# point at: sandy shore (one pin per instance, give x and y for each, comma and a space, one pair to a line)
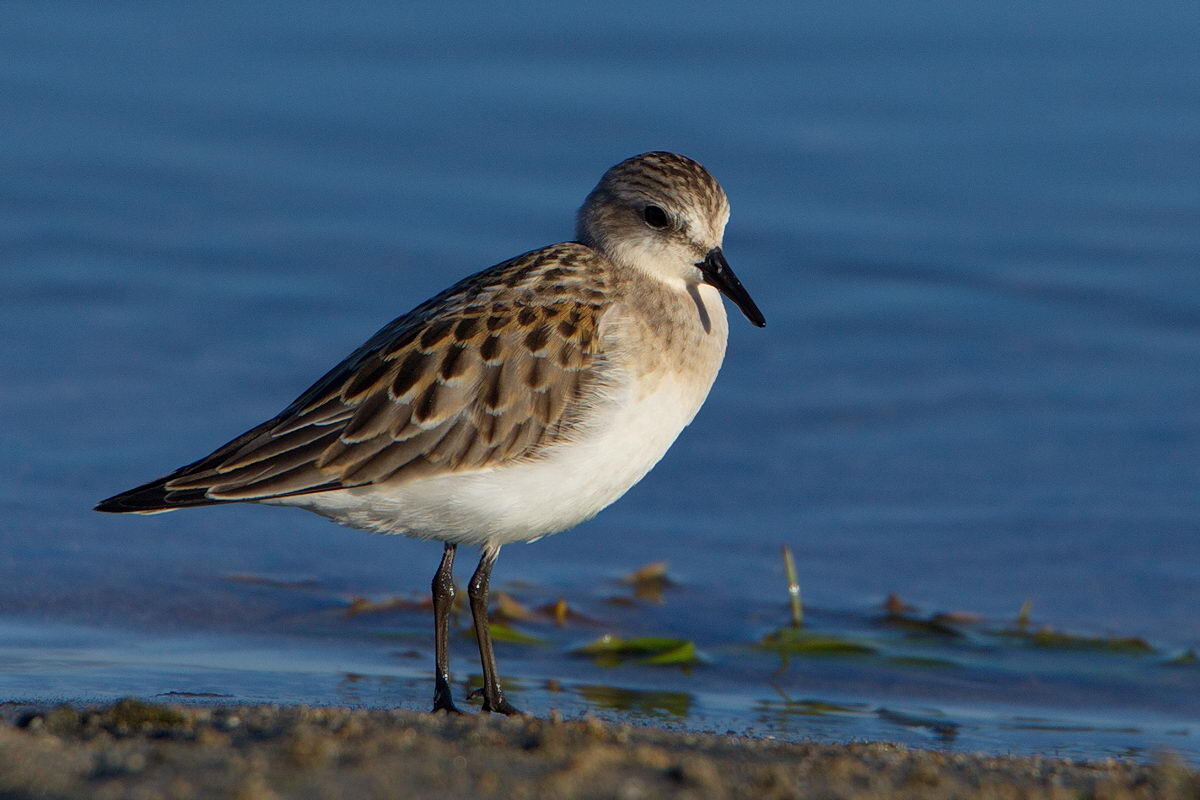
132, 749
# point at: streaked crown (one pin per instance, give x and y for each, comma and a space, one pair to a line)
659, 212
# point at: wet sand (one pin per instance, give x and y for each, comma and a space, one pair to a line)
134, 749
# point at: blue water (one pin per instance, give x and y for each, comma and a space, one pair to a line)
974, 230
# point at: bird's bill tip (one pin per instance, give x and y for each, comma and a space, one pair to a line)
718, 273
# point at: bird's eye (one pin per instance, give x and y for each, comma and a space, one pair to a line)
655, 217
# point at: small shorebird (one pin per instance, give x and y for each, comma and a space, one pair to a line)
515, 404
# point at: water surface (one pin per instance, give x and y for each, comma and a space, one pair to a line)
974, 231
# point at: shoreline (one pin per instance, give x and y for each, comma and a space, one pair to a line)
265, 752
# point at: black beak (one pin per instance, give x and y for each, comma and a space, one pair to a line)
717, 273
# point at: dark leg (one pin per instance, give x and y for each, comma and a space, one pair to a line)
443, 599
493, 697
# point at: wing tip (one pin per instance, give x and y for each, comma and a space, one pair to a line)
107, 507
152, 498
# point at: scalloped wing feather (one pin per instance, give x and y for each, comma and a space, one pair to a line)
495, 369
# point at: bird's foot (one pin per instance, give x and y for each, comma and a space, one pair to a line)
442, 701
502, 706
497, 704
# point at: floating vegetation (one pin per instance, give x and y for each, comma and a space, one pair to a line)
894, 605
923, 662
611, 650
902, 616
649, 582
917, 626
685, 653
901, 638
361, 605
793, 641
1025, 615
654, 571
949, 626
561, 613
510, 609
1049, 638
1185, 659
509, 635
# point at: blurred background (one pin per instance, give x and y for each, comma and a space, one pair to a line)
974, 229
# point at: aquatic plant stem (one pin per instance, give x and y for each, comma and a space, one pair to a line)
789, 566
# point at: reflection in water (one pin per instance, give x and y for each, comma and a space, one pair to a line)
945, 730
805, 716
648, 703
274, 582
350, 687
1062, 727
809, 708
354, 688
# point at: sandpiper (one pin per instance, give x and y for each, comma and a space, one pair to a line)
515, 404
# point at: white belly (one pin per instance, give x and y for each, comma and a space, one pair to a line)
525, 501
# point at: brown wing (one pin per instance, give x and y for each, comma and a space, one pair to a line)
493, 370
